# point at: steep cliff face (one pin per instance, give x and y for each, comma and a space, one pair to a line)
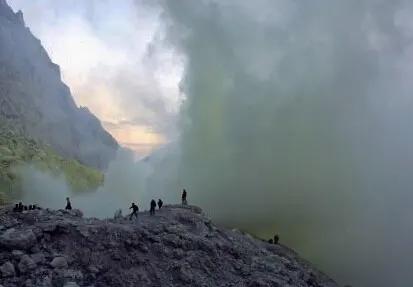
177, 246
35, 101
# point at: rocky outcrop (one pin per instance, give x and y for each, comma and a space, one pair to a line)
36, 102
176, 247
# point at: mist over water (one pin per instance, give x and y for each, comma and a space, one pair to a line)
297, 121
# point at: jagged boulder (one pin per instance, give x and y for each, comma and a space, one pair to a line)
59, 262
26, 264
7, 270
14, 238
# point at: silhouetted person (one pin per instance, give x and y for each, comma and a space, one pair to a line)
184, 202
20, 206
16, 208
135, 210
270, 241
276, 239
160, 203
153, 206
118, 214
68, 204
30, 207
25, 207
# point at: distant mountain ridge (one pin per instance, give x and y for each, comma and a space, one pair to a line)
35, 101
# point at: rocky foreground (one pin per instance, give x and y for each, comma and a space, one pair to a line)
176, 247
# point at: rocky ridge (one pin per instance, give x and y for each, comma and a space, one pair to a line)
178, 246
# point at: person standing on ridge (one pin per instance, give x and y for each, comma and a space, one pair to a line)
160, 203
184, 202
68, 204
153, 206
135, 210
276, 238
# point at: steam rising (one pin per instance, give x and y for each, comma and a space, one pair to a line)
297, 121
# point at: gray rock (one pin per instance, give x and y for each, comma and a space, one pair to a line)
17, 254
93, 269
26, 264
22, 239
71, 284
38, 258
28, 283
59, 262
75, 212
7, 270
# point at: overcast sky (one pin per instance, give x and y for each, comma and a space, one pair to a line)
112, 56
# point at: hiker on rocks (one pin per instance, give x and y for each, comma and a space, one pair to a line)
30, 207
68, 204
184, 202
20, 207
16, 208
276, 239
160, 203
153, 206
135, 210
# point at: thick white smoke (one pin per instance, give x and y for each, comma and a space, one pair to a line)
126, 180
297, 121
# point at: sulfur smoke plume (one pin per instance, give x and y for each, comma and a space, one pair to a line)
298, 121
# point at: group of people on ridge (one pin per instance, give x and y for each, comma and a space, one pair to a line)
19, 207
135, 208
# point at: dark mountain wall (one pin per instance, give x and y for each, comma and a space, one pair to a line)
35, 101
